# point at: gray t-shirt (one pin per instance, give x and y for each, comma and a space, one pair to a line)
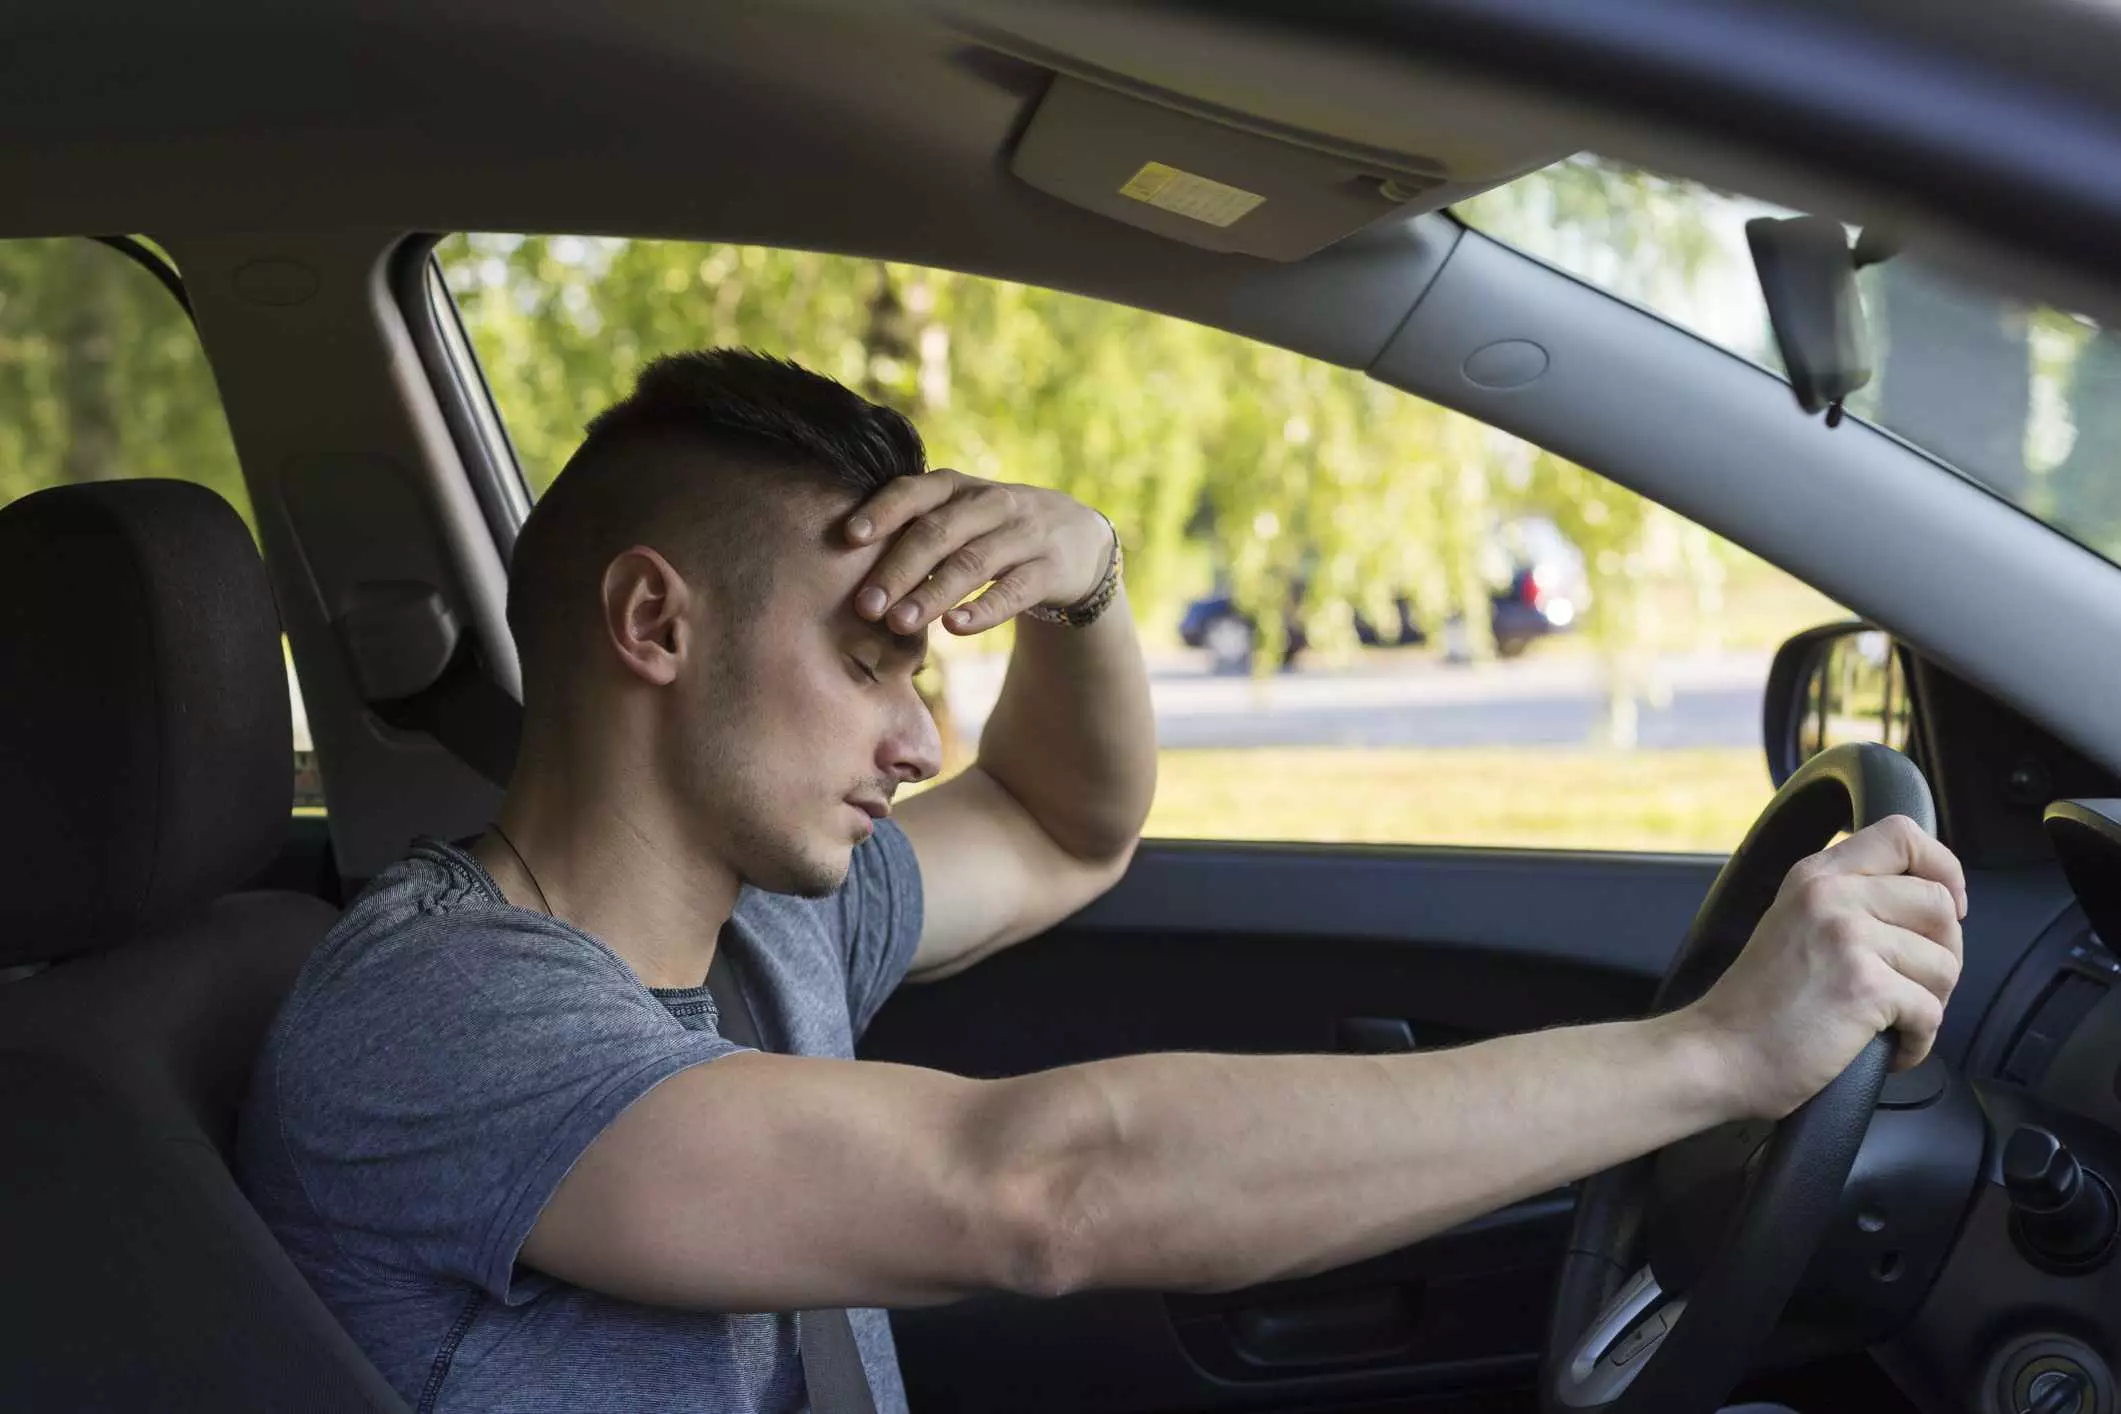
444, 1059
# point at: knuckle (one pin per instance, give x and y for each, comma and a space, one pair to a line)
1843, 935
1810, 867
930, 530
1817, 892
971, 562
1818, 865
1013, 590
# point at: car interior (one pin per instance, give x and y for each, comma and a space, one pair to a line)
294, 170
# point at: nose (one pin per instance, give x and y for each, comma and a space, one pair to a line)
912, 750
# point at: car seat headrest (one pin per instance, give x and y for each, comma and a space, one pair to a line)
144, 736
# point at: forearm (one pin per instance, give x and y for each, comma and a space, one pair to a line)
1198, 1172
1073, 737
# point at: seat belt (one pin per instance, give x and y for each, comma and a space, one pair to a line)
832, 1362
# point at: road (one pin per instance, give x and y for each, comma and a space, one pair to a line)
1411, 699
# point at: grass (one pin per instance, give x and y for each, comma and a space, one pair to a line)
1533, 797
1516, 797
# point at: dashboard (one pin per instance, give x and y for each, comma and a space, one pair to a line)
2024, 1310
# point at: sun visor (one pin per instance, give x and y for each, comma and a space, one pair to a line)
1223, 183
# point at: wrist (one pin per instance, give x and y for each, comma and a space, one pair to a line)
1704, 1062
1085, 609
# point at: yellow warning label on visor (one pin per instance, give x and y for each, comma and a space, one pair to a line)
1185, 194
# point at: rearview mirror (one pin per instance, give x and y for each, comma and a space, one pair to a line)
1808, 279
1833, 684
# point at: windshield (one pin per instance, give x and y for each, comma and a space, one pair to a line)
2019, 398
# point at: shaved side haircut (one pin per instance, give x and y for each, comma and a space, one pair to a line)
700, 462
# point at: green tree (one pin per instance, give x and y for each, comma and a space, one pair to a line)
102, 375
1208, 451
2083, 491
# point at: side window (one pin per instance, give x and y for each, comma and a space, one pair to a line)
102, 376
1368, 619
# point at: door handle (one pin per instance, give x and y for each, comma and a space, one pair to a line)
1347, 1327
1373, 1035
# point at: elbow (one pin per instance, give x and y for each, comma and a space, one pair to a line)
1099, 834
1110, 855
1104, 845
1054, 1205
1058, 1239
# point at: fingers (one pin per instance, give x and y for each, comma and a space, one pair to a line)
902, 500
925, 546
1894, 845
1910, 924
1919, 905
1003, 553
1928, 965
1009, 596
1914, 1014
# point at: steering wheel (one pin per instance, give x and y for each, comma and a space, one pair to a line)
1671, 1282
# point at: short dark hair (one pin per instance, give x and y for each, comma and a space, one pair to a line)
690, 462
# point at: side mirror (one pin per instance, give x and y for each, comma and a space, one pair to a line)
1836, 683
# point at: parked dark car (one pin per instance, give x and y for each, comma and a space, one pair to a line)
1216, 624
1546, 593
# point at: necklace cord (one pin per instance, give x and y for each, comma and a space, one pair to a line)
528, 873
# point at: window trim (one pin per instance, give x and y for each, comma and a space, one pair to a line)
461, 390
157, 264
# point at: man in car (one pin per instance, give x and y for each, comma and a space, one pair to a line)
501, 1130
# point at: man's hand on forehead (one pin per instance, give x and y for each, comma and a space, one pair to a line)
954, 533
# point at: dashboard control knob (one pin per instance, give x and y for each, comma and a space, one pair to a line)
2062, 1213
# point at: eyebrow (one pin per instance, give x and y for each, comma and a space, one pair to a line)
914, 645
903, 645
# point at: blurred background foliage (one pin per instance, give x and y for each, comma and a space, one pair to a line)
101, 375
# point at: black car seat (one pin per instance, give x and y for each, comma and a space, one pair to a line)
145, 773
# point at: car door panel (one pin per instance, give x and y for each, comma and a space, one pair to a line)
1272, 948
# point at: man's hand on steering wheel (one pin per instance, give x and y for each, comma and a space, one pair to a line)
1862, 937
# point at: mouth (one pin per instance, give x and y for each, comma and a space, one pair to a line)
874, 809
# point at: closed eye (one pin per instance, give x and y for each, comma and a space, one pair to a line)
866, 671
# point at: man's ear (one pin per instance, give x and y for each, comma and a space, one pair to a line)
645, 602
